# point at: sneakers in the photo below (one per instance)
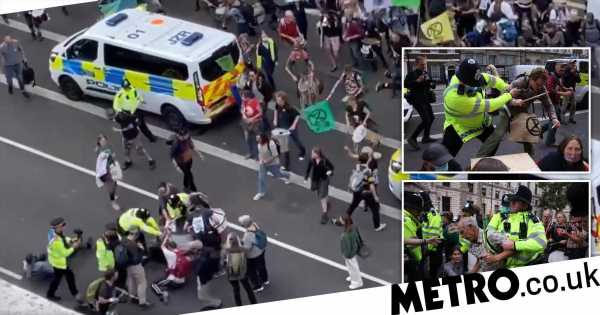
(259, 289)
(348, 279)
(152, 164)
(354, 286)
(54, 298)
(258, 196)
(269, 173)
(413, 143)
(324, 218)
(286, 180)
(381, 227)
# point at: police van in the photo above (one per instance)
(184, 71)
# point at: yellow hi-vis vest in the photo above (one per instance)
(468, 114)
(177, 212)
(127, 100)
(410, 226)
(527, 249)
(105, 256)
(58, 253)
(128, 219)
(433, 228)
(271, 45)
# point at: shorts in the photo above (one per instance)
(322, 188)
(332, 43)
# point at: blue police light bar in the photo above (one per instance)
(116, 19)
(190, 40)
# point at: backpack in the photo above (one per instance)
(209, 236)
(236, 266)
(121, 256)
(260, 239)
(277, 145)
(357, 178)
(91, 294)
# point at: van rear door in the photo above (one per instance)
(221, 70)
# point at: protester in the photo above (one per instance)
(330, 32)
(352, 33)
(465, 16)
(12, 60)
(251, 122)
(569, 82)
(297, 55)
(353, 83)
(420, 96)
(254, 242)
(559, 234)
(182, 155)
(436, 158)
(309, 88)
(287, 117)
(357, 115)
(288, 28)
(455, 265)
(567, 158)
(129, 131)
(320, 169)
(266, 57)
(351, 243)
(34, 20)
(108, 170)
(268, 160)
(237, 263)
(578, 242)
(136, 275)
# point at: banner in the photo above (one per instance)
(438, 29)
(411, 4)
(319, 117)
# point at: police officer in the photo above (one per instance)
(176, 209)
(128, 99)
(466, 107)
(526, 234)
(141, 219)
(414, 243)
(432, 229)
(59, 249)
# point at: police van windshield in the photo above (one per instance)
(220, 62)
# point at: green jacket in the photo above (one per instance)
(469, 114)
(350, 243)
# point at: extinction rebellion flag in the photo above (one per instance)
(319, 117)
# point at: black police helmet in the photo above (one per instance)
(414, 201)
(468, 72)
(523, 194)
(173, 200)
(143, 214)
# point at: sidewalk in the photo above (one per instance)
(17, 301)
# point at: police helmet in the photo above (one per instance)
(143, 214)
(173, 200)
(468, 72)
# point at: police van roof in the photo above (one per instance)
(159, 34)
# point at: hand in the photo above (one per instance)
(328, 98)
(555, 123)
(517, 102)
(434, 241)
(515, 92)
(490, 259)
(329, 173)
(508, 245)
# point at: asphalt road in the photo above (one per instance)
(39, 189)
(413, 158)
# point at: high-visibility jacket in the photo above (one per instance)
(177, 212)
(469, 114)
(433, 228)
(464, 244)
(410, 227)
(58, 253)
(128, 220)
(105, 256)
(127, 100)
(528, 248)
(272, 53)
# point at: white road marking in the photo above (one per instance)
(209, 149)
(341, 127)
(155, 197)
(11, 274)
(438, 136)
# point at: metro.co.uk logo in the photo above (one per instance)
(501, 285)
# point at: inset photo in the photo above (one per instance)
(461, 227)
(486, 23)
(492, 110)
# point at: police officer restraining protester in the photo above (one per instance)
(467, 108)
(416, 206)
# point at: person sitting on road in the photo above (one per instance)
(568, 158)
(436, 158)
(37, 267)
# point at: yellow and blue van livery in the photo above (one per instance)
(184, 71)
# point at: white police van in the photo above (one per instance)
(184, 71)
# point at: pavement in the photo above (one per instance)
(413, 158)
(49, 142)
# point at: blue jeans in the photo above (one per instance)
(262, 175)
(11, 72)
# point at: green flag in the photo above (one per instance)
(411, 4)
(226, 63)
(319, 117)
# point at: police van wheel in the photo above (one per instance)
(70, 88)
(173, 117)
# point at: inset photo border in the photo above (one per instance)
(509, 116)
(459, 227)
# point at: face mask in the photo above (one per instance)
(443, 168)
(571, 158)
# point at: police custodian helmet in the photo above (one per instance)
(468, 72)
